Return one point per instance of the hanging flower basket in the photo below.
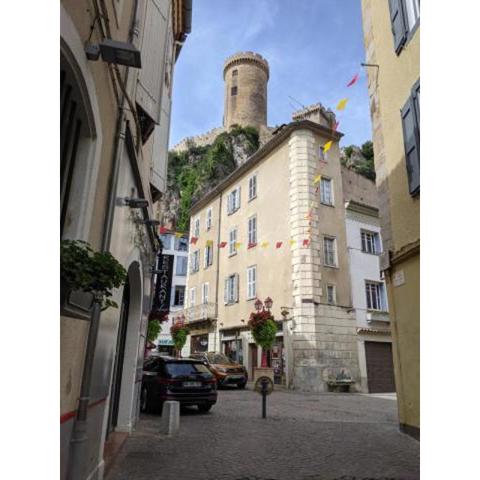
(157, 315)
(263, 328)
(179, 332)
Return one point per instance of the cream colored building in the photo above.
(273, 197)
(114, 131)
(392, 44)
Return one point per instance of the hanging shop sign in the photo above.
(163, 285)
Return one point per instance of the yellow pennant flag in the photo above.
(292, 242)
(238, 245)
(264, 244)
(342, 103)
(327, 146)
(178, 234)
(317, 179)
(209, 243)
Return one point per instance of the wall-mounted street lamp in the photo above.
(258, 304)
(268, 303)
(136, 202)
(113, 51)
(150, 222)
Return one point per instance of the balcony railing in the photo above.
(204, 311)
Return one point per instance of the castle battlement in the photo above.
(246, 57)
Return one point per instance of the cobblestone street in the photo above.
(305, 437)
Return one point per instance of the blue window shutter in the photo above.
(411, 139)
(399, 24)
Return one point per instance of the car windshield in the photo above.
(219, 358)
(181, 369)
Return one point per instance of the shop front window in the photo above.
(199, 343)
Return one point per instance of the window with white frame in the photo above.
(196, 227)
(181, 267)
(331, 295)
(233, 201)
(181, 244)
(179, 296)
(370, 242)
(205, 293)
(194, 261)
(321, 154)
(252, 187)
(209, 219)
(251, 282)
(231, 289)
(232, 240)
(326, 194)
(329, 251)
(376, 299)
(193, 293)
(166, 241)
(208, 259)
(252, 230)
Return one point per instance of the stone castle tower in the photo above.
(246, 76)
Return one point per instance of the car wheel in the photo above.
(242, 385)
(144, 404)
(204, 408)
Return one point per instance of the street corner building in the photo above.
(392, 45)
(116, 68)
(281, 226)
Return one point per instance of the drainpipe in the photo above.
(79, 437)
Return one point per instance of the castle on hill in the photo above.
(246, 77)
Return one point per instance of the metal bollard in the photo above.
(170, 421)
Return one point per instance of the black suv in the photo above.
(187, 381)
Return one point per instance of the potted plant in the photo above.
(84, 270)
(179, 332)
(264, 329)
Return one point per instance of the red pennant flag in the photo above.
(222, 244)
(278, 244)
(306, 242)
(193, 240)
(251, 245)
(353, 80)
(163, 230)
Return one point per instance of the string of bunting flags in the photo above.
(342, 103)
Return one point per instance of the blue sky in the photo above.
(314, 47)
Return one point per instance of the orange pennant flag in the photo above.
(209, 243)
(317, 179)
(292, 242)
(264, 244)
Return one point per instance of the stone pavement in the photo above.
(305, 437)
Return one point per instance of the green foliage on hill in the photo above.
(193, 172)
(363, 163)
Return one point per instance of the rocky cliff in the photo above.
(198, 169)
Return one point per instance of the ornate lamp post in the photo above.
(258, 304)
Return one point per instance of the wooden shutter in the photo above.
(399, 24)
(411, 140)
(237, 206)
(154, 47)
(235, 287)
(225, 292)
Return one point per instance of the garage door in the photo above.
(379, 367)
